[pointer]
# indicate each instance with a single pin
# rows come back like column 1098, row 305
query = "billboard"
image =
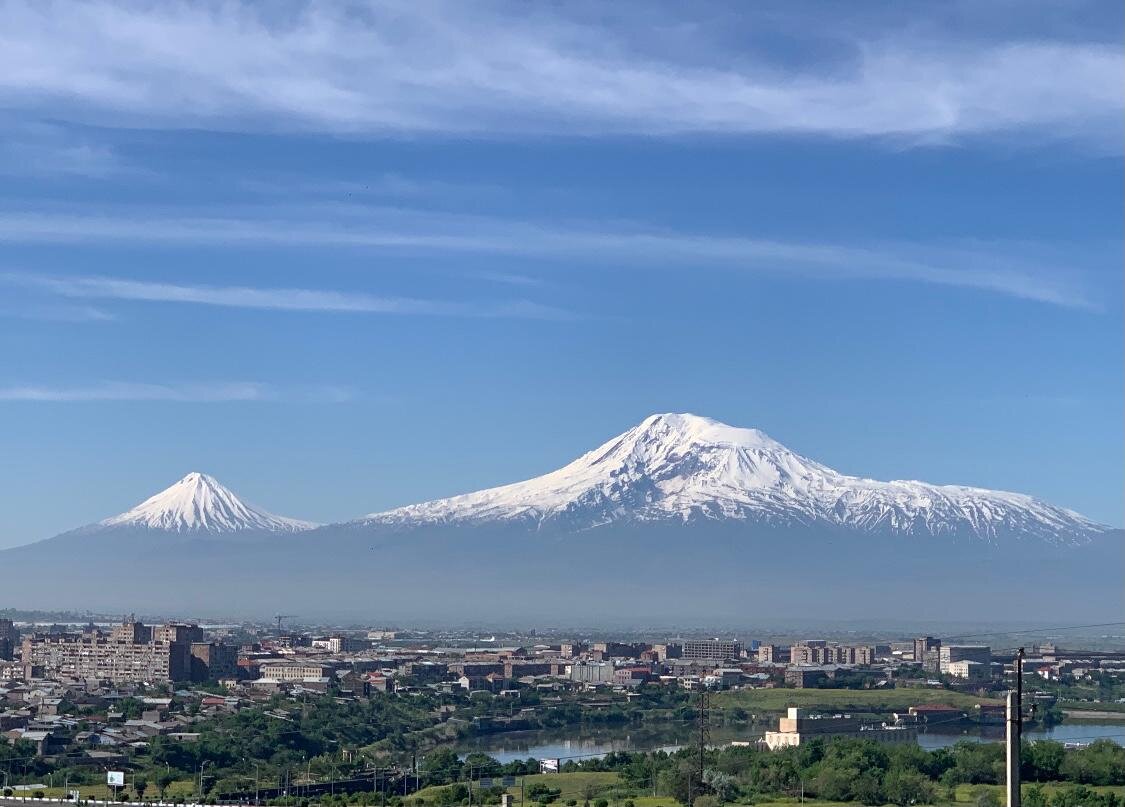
column 115, row 778
column 548, row 766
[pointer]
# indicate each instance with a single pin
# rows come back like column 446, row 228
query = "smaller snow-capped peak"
column 200, row 503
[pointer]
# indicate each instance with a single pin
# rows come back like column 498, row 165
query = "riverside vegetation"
column 324, row 738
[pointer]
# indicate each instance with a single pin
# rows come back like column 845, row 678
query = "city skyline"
column 353, row 259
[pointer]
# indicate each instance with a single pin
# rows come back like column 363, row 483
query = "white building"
column 800, row 726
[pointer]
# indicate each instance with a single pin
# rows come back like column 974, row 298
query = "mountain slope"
column 198, row 503
column 682, row 468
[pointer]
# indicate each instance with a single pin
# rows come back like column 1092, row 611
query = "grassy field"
column 182, row 787
column 967, row 793
column 853, row 700
column 572, row 785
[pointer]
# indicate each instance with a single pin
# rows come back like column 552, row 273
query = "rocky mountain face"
column 682, row 468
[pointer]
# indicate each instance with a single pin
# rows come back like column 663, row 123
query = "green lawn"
column 572, row 785
column 964, row 793
column 853, row 700
column 182, row 787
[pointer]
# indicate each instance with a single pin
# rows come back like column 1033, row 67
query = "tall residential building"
column 346, row 644
column 9, row 639
column 923, row 645
column 132, row 631
column 710, row 649
column 211, row 661
column 178, row 633
column 128, row 654
column 819, row 652
column 950, row 654
column 774, row 654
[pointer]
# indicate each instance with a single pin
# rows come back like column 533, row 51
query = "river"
column 577, row 744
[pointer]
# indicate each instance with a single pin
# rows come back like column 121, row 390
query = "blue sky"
column 348, row 256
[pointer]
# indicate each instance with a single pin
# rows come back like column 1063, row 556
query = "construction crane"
column 280, row 617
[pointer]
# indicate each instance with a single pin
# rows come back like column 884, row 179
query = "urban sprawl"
column 154, row 711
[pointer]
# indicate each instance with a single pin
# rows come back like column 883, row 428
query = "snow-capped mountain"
column 685, row 468
column 198, row 503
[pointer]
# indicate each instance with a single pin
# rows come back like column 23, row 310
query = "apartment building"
column 9, row 639
column 128, row 654
column 296, row 671
column 710, row 649
column 950, row 654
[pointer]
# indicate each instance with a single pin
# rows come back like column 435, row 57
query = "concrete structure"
column 178, row 633
column 710, row 649
column 801, row 726
column 9, row 639
column 804, row 677
column 617, row 649
column 924, row 645
column 949, row 654
column 774, row 654
column 820, row 652
column 211, row 661
column 347, row 644
column 927, row 652
column 592, row 673
column 129, row 654
column 290, row 671
column 969, row 670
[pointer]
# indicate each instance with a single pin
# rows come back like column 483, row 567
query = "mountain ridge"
column 683, row 467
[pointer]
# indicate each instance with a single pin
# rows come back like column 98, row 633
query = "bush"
column 985, row 797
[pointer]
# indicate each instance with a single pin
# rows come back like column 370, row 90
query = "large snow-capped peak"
column 685, row 468
column 200, row 503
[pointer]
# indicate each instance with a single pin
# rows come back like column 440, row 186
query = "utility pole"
column 704, row 735
column 1015, row 730
column 704, row 731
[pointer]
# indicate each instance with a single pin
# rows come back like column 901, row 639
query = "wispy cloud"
column 56, row 313
column 276, row 299
column 223, row 392
column 41, row 149
column 1009, row 269
column 502, row 68
column 509, row 278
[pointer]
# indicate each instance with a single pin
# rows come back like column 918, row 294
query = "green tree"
column 1042, row 761
column 908, row 787
column 163, row 779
